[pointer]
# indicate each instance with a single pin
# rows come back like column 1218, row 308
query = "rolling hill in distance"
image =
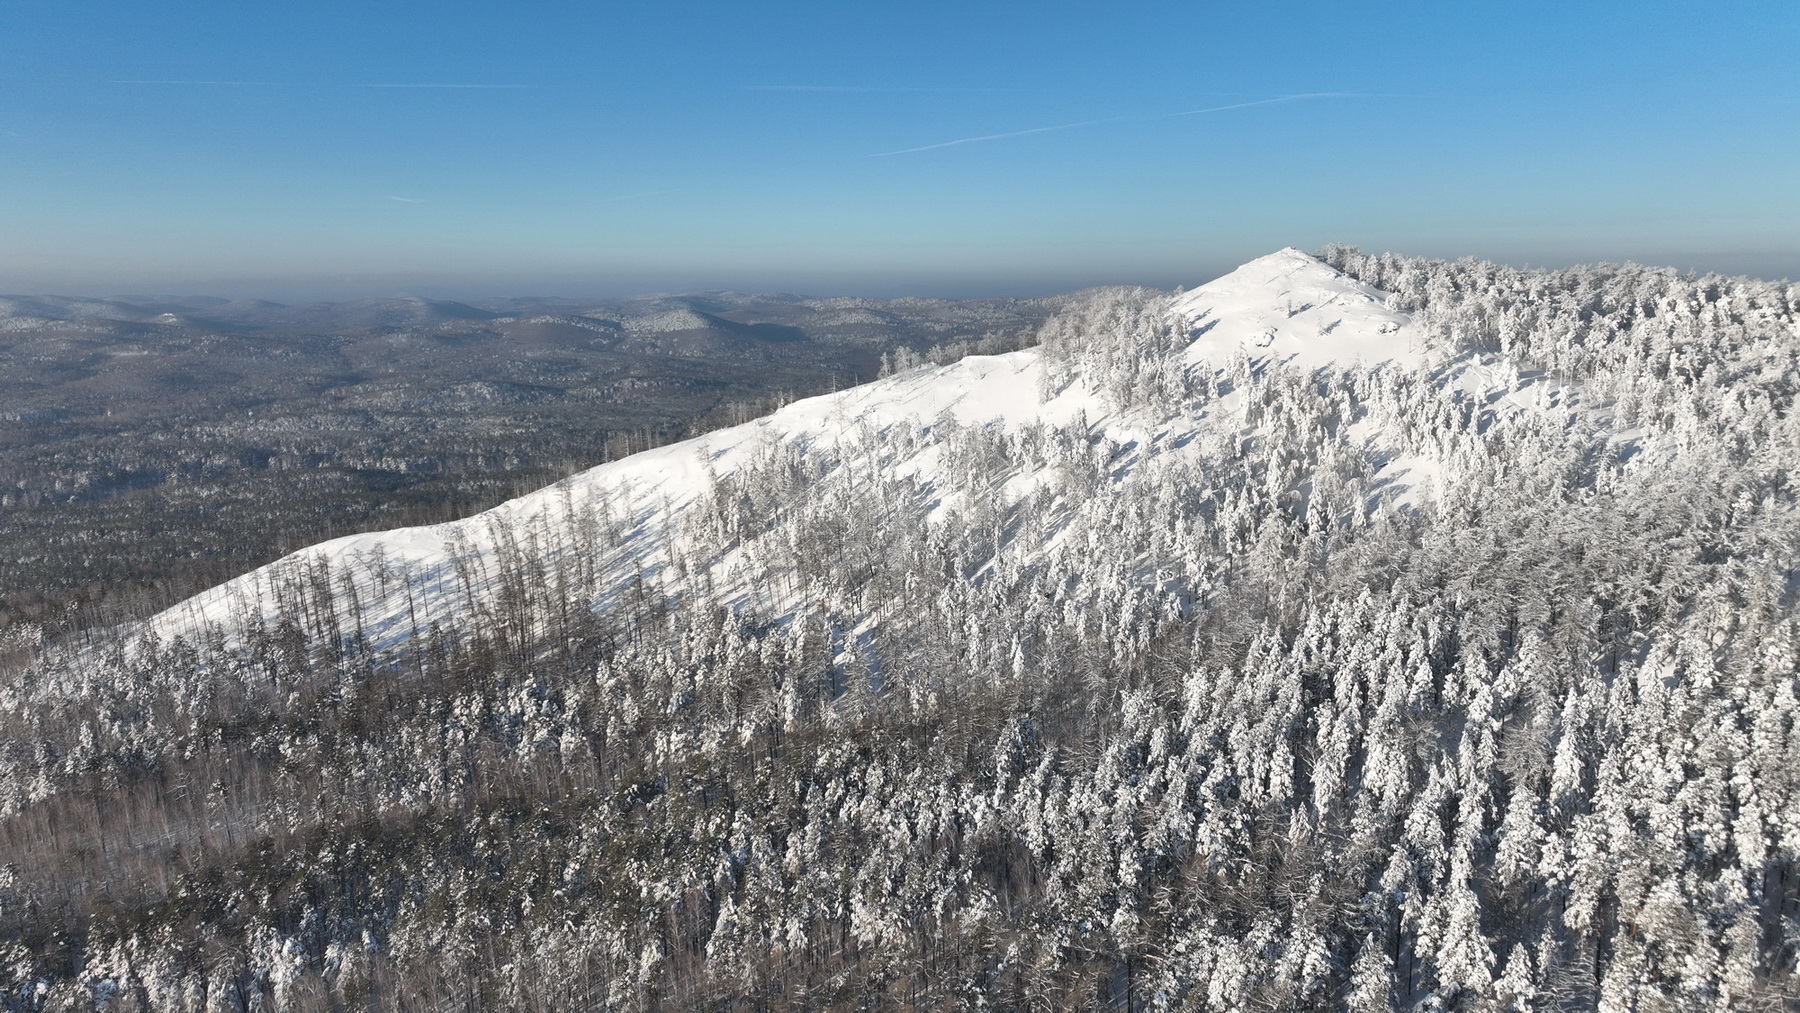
column 152, row 447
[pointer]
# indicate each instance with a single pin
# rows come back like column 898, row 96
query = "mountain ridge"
column 1285, row 309
column 1362, row 632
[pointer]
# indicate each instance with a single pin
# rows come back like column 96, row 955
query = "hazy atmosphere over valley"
column 798, row 506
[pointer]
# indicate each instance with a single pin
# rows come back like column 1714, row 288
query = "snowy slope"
column 1290, row 308
column 1261, row 645
column 1283, row 308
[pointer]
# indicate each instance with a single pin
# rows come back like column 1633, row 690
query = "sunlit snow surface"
column 1288, row 307
column 1283, row 308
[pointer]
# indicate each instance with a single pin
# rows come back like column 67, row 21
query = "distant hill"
column 152, row 446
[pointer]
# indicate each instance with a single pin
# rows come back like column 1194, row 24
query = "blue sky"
column 336, row 149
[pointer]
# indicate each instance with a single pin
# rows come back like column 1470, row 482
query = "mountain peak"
column 1291, row 307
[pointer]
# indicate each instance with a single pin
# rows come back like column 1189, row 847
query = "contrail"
column 633, row 196
column 297, row 84
column 496, row 87
column 996, row 137
column 1121, row 119
column 407, row 200
column 231, row 84
column 856, row 88
column 1267, row 102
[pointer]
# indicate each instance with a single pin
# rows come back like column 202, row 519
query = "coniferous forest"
column 1196, row 701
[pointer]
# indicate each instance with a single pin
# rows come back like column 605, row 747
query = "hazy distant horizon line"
column 1775, row 267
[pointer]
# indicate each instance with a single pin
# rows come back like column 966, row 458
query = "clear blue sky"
column 343, row 148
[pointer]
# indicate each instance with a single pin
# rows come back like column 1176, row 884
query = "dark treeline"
column 91, row 558
column 1219, row 722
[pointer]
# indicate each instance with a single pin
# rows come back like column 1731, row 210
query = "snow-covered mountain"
column 1351, row 632
column 1286, row 310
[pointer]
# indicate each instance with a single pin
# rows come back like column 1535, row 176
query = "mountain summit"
column 1290, row 307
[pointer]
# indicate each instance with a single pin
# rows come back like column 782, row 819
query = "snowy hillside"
column 1349, row 633
column 1285, row 310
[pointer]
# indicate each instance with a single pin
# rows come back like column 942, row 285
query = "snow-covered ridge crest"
column 1284, row 309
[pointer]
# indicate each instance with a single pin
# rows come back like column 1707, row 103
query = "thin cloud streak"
column 1269, row 102
column 998, row 137
column 474, row 87
column 223, row 84
column 407, row 200
column 299, row 84
column 634, row 196
column 1121, row 119
column 856, row 88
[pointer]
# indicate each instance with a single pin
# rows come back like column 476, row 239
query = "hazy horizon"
column 625, row 284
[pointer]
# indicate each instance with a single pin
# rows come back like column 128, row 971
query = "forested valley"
column 1467, row 683
column 150, row 449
